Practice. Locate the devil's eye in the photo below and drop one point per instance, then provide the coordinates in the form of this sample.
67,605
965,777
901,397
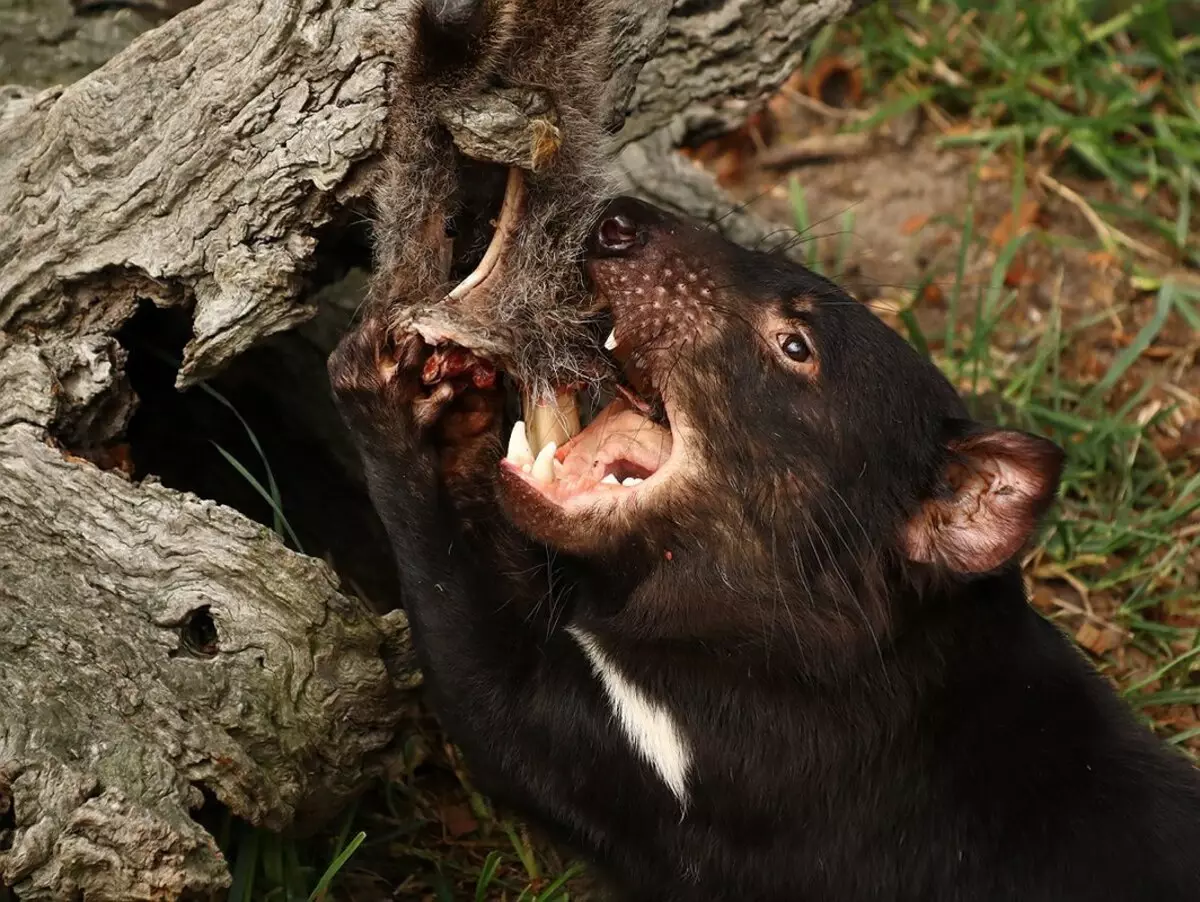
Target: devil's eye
796,347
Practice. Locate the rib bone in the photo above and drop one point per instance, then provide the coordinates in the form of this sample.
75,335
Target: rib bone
506,223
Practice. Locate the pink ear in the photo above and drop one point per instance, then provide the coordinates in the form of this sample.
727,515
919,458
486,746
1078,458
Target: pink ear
998,482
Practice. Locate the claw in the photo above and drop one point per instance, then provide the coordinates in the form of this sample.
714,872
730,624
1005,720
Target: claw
427,410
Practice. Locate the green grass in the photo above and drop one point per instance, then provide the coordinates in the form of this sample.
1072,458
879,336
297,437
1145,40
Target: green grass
269,492
498,859
1104,89
401,830
269,867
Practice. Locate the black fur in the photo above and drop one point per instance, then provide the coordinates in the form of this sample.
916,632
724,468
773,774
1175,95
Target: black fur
863,726
449,35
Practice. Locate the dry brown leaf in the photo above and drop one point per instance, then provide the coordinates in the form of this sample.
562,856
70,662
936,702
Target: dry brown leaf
1020,273
1093,367
1182,620
1168,446
458,820
994,173
945,239
1011,226
1178,717
914,224
1102,259
1158,352
1097,639
933,295
729,166
1150,82
1044,599
1189,436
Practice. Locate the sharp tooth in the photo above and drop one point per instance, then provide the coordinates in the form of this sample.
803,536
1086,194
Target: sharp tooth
519,451
611,479
610,343
543,467
551,420
631,480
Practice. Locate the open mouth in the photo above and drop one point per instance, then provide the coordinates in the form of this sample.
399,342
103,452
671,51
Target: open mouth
623,453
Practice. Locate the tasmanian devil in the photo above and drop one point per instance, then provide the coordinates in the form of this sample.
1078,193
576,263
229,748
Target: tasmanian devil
758,631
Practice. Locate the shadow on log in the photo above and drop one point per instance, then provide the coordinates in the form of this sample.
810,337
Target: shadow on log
192,212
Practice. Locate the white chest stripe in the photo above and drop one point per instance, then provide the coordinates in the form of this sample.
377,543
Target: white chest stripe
650,727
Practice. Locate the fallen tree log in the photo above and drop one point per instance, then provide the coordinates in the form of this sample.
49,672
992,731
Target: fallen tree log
190,213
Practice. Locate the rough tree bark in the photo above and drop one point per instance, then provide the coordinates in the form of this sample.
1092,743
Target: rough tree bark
154,646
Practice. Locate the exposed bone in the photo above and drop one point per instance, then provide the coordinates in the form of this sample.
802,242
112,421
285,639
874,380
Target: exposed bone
442,332
510,211
473,290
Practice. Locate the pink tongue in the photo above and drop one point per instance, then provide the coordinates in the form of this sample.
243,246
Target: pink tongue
619,433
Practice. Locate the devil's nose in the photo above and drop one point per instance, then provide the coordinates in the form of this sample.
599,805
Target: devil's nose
620,229
616,233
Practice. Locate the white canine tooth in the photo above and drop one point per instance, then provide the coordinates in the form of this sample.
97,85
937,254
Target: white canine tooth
610,343
611,479
631,480
543,467
519,451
